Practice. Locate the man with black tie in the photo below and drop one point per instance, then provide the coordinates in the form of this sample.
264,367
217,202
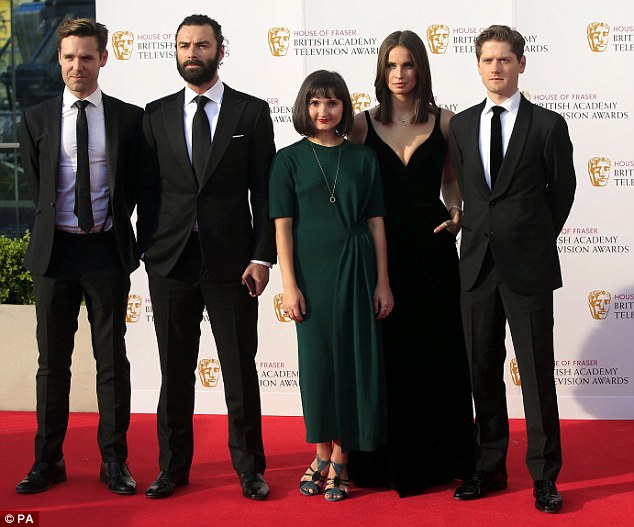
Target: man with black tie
204,231
514,165
80,153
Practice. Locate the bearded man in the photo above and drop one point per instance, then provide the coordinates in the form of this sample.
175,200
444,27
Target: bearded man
207,242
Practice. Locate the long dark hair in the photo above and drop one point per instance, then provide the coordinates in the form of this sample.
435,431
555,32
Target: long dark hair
424,96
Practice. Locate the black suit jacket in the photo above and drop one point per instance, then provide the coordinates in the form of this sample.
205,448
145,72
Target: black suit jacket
40,136
521,218
231,232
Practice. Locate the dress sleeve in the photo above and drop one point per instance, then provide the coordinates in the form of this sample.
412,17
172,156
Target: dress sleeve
281,188
376,206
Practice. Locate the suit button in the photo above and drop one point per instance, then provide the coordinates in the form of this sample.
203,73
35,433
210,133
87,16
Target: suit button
492,203
52,204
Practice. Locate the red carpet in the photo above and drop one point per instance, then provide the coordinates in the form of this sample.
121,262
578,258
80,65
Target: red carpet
597,482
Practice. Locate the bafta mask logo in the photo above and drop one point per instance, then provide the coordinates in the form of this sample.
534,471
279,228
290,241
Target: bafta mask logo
360,102
278,306
527,95
438,38
209,372
122,44
279,38
599,171
515,372
598,34
133,313
599,304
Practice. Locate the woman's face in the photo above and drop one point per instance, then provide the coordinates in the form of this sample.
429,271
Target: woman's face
400,73
325,114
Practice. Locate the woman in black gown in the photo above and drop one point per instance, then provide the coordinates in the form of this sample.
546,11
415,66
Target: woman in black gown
430,421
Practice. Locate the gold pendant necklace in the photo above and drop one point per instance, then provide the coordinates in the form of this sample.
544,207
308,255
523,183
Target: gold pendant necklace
334,185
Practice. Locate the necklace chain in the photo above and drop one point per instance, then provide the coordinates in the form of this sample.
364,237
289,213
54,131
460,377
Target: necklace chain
334,185
407,120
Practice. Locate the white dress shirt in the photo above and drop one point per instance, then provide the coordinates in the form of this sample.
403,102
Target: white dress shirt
507,118
212,109
65,218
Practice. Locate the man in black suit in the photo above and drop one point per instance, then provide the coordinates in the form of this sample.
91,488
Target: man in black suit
209,149
517,181
80,153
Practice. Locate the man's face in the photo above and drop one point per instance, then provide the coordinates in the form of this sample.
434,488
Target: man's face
500,70
198,55
81,61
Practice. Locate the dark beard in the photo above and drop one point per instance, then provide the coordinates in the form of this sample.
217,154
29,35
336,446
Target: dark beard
200,76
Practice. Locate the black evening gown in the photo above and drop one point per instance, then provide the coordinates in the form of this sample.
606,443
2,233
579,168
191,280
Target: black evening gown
430,419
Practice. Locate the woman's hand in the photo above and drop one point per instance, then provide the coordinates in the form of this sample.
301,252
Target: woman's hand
383,301
293,304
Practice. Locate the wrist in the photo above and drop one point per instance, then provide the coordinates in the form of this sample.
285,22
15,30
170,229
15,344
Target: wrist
455,216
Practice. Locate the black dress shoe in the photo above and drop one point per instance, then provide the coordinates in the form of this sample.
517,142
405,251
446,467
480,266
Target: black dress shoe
41,477
480,483
253,485
547,497
116,475
164,484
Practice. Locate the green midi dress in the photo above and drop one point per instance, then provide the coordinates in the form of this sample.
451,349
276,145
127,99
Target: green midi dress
339,342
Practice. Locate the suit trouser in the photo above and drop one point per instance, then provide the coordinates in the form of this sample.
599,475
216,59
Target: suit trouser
485,311
178,301
82,266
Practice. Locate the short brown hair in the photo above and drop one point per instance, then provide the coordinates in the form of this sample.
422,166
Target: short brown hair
501,34
322,83
425,102
83,27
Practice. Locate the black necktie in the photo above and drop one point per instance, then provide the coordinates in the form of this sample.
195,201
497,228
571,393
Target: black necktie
496,143
83,199
201,138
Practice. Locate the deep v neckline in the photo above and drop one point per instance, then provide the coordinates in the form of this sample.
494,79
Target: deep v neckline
403,163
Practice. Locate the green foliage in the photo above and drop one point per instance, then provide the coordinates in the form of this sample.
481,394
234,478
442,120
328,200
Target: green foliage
16,283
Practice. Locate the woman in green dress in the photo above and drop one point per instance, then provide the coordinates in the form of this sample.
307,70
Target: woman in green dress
326,199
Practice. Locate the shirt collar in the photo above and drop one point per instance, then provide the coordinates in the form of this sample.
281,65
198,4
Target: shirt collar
511,105
95,98
215,93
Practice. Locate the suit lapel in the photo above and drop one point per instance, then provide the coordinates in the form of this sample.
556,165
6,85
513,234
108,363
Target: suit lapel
175,130
54,132
230,111
515,146
111,122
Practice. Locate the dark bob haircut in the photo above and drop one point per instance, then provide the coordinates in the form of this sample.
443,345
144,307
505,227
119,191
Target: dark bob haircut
322,83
